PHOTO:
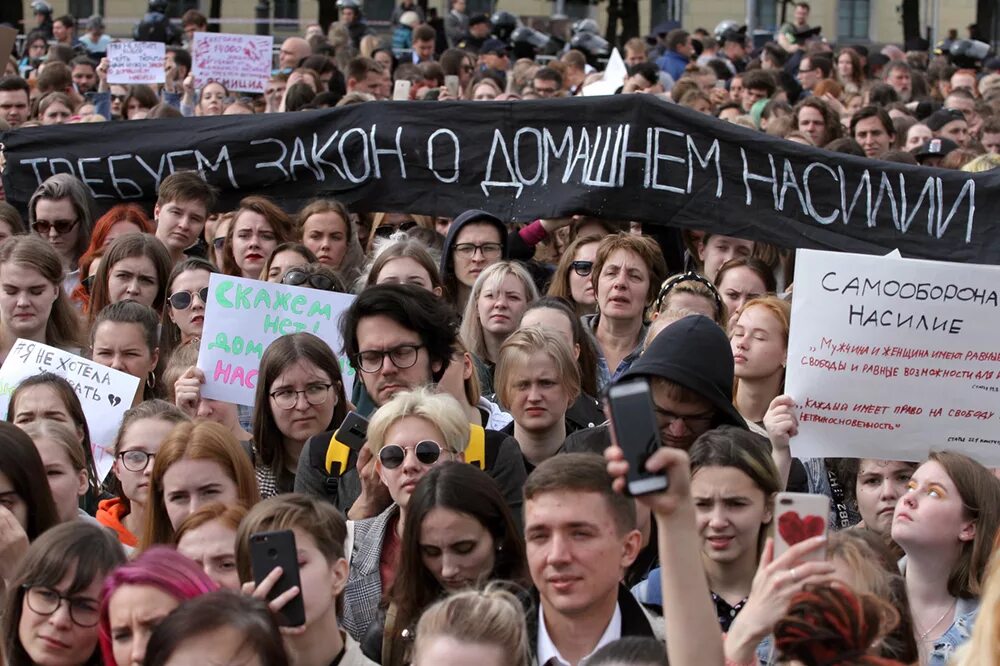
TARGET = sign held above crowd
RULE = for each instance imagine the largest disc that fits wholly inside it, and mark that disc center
(892, 358)
(241, 63)
(622, 157)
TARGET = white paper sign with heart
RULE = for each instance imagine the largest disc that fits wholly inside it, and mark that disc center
(104, 393)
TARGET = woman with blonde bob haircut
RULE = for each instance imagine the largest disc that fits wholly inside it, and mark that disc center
(499, 297)
(484, 627)
(537, 381)
(197, 463)
(408, 435)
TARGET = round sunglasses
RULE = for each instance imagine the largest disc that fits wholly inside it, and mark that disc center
(427, 452)
(182, 300)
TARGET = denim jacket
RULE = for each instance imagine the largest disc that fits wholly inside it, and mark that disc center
(944, 648)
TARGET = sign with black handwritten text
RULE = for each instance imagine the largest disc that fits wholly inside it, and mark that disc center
(243, 317)
(239, 62)
(630, 157)
(893, 358)
(104, 392)
(136, 62)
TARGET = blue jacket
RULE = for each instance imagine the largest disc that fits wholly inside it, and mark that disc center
(673, 63)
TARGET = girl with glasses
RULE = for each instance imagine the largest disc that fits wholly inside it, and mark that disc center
(52, 610)
(26, 505)
(198, 463)
(32, 302)
(187, 294)
(300, 393)
(138, 595)
(408, 436)
(571, 280)
(459, 534)
(143, 429)
(135, 267)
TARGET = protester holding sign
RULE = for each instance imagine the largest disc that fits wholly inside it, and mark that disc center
(33, 304)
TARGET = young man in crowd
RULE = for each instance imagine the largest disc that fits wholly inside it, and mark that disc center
(872, 128)
(182, 206)
(580, 538)
(15, 97)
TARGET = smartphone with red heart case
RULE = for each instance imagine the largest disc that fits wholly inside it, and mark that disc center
(797, 517)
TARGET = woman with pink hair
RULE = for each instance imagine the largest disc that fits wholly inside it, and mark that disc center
(137, 595)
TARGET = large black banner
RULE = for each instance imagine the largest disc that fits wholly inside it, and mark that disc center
(630, 157)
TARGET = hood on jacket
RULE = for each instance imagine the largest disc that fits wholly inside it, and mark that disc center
(468, 217)
(693, 352)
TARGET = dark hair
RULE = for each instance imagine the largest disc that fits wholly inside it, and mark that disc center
(549, 74)
(130, 312)
(411, 307)
(298, 97)
(831, 120)
(424, 33)
(588, 353)
(14, 83)
(760, 79)
(581, 473)
(632, 650)
(873, 112)
(250, 617)
(845, 145)
(65, 186)
(71, 400)
(462, 488)
(881, 95)
(292, 245)
(820, 62)
(11, 216)
(676, 37)
(182, 57)
(279, 355)
(83, 548)
(141, 93)
(647, 70)
(186, 186)
(127, 247)
(279, 220)
(171, 335)
(21, 464)
(758, 267)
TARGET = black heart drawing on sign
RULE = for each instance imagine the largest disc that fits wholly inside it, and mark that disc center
(113, 399)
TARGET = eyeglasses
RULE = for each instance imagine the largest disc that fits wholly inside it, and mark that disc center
(427, 452)
(316, 394)
(219, 243)
(315, 280)
(582, 268)
(386, 230)
(488, 250)
(182, 300)
(62, 226)
(696, 423)
(403, 356)
(45, 601)
(136, 460)
(118, 98)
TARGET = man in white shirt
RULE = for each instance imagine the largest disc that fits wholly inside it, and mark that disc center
(580, 537)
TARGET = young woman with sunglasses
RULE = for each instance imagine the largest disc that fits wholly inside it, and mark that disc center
(187, 295)
(314, 276)
(258, 227)
(51, 612)
(458, 534)
(32, 302)
(408, 435)
(384, 225)
(198, 463)
(49, 397)
(325, 228)
(135, 267)
(143, 429)
(571, 281)
(284, 257)
(60, 212)
(26, 505)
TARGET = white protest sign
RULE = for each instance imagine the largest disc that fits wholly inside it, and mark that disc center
(136, 62)
(613, 78)
(243, 317)
(893, 358)
(105, 393)
(239, 62)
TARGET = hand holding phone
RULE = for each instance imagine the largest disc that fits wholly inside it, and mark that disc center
(637, 433)
(797, 517)
(401, 90)
(277, 549)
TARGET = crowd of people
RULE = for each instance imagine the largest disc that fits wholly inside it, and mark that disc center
(483, 519)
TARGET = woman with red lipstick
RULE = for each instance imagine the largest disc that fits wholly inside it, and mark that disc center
(946, 523)
(257, 228)
(499, 297)
(51, 613)
(33, 305)
(759, 338)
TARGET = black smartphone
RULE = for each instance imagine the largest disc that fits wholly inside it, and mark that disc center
(277, 549)
(637, 432)
(353, 431)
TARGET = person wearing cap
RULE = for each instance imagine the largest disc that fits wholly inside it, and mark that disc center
(872, 128)
(734, 47)
(935, 150)
(493, 55)
(94, 40)
(350, 17)
(949, 124)
(402, 37)
(43, 17)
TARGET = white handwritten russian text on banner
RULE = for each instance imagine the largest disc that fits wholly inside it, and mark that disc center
(239, 62)
(243, 317)
(893, 358)
(105, 393)
(136, 62)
